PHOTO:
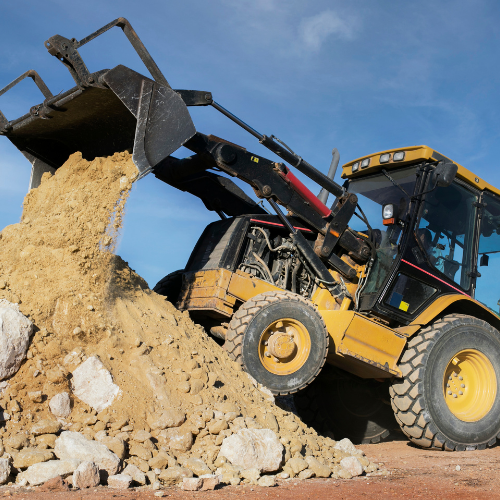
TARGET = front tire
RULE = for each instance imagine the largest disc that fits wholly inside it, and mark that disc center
(280, 339)
(448, 398)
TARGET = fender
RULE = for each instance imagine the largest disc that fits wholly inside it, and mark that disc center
(449, 304)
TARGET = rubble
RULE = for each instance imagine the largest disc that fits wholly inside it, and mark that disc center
(119, 481)
(174, 475)
(31, 456)
(40, 473)
(352, 465)
(55, 484)
(93, 384)
(86, 475)
(15, 333)
(60, 405)
(131, 390)
(253, 448)
(4, 470)
(75, 445)
(135, 473)
(267, 481)
(203, 483)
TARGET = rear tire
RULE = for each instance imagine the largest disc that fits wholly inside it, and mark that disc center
(280, 339)
(448, 398)
(170, 286)
(340, 406)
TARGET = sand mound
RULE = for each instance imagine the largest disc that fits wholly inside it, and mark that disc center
(58, 264)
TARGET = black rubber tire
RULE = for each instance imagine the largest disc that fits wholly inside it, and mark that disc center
(170, 286)
(344, 406)
(418, 398)
(254, 316)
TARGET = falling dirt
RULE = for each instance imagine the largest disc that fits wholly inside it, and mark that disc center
(58, 265)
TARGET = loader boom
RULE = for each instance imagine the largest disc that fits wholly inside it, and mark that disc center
(118, 109)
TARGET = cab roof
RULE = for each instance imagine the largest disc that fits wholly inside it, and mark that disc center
(410, 155)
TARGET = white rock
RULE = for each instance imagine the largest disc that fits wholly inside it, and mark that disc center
(353, 465)
(60, 405)
(75, 445)
(4, 470)
(93, 384)
(210, 481)
(135, 473)
(15, 332)
(86, 475)
(206, 482)
(191, 484)
(346, 446)
(253, 448)
(120, 481)
(42, 472)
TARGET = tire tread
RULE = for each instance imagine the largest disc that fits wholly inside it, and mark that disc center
(407, 394)
(241, 319)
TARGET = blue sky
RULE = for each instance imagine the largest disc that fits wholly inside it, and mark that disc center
(362, 76)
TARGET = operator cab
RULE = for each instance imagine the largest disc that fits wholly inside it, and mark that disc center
(433, 223)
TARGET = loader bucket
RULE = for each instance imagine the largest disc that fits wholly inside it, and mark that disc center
(123, 110)
(107, 112)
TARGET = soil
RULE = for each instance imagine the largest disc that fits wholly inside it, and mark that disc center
(58, 265)
(414, 473)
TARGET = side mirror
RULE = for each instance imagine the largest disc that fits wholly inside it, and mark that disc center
(484, 260)
(445, 174)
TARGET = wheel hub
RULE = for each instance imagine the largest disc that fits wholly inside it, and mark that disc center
(284, 346)
(281, 345)
(470, 386)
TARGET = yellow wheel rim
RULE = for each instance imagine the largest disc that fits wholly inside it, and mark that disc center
(470, 385)
(284, 346)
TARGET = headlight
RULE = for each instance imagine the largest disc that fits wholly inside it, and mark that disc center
(399, 156)
(355, 167)
(385, 158)
(365, 163)
(388, 211)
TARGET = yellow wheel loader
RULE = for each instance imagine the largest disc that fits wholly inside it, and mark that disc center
(372, 302)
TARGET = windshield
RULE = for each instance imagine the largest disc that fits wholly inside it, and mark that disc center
(374, 192)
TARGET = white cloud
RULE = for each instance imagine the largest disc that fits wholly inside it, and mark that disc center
(315, 30)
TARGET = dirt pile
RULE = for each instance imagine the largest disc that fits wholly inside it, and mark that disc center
(58, 265)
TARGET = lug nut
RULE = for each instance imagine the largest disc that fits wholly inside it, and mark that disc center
(267, 354)
(460, 378)
(449, 392)
(462, 385)
(460, 392)
(454, 395)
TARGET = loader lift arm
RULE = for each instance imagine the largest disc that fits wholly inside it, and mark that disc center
(117, 109)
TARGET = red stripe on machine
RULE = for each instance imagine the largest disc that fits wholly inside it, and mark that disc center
(435, 277)
(281, 225)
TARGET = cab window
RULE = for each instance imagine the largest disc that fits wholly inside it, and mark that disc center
(445, 231)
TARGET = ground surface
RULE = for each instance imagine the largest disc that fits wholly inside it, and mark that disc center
(414, 473)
